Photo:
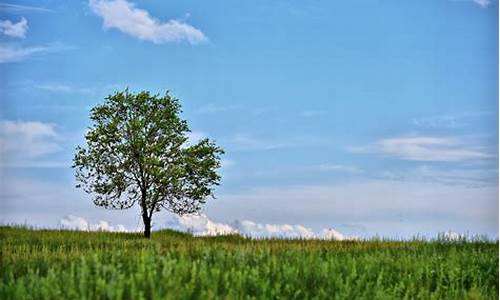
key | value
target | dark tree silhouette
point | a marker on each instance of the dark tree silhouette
(137, 152)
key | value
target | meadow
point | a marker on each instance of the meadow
(59, 264)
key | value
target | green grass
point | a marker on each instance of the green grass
(57, 264)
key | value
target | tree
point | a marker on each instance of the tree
(137, 152)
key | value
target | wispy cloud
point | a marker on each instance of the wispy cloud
(449, 121)
(436, 122)
(482, 3)
(9, 7)
(463, 177)
(27, 139)
(65, 88)
(312, 113)
(251, 142)
(129, 19)
(336, 168)
(425, 148)
(212, 108)
(472, 177)
(16, 53)
(17, 30)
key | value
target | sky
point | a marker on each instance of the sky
(360, 118)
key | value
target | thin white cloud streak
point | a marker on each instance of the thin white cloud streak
(59, 87)
(450, 121)
(312, 113)
(436, 122)
(425, 148)
(62, 87)
(463, 177)
(16, 7)
(16, 53)
(33, 164)
(17, 30)
(247, 142)
(129, 19)
(482, 3)
(212, 108)
(336, 168)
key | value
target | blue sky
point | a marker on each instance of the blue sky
(370, 117)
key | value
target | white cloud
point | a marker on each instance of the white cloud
(201, 225)
(16, 7)
(482, 3)
(436, 122)
(25, 140)
(17, 30)
(312, 113)
(451, 121)
(469, 177)
(212, 108)
(15, 53)
(253, 229)
(451, 236)
(79, 223)
(34, 164)
(63, 87)
(73, 222)
(336, 168)
(332, 234)
(59, 87)
(248, 142)
(426, 148)
(129, 19)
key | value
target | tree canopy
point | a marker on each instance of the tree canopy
(137, 153)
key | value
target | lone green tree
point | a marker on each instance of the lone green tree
(137, 153)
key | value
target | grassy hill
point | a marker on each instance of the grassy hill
(57, 264)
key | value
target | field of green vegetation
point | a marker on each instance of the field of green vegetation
(57, 264)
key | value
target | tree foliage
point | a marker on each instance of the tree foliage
(137, 152)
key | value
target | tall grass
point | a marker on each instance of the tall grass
(58, 264)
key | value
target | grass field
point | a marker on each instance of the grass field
(54, 264)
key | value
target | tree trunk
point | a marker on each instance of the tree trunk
(146, 218)
(147, 225)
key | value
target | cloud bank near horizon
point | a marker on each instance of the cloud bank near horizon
(79, 223)
(201, 225)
